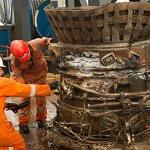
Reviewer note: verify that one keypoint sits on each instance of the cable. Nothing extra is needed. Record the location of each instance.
(4, 46)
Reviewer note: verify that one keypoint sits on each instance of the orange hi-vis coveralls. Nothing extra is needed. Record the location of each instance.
(9, 137)
(35, 72)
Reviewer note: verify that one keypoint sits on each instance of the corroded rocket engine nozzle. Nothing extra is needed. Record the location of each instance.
(113, 23)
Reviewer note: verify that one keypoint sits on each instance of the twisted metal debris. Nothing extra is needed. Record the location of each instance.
(105, 93)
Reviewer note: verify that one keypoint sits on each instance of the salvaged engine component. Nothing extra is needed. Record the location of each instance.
(116, 22)
(103, 98)
(105, 92)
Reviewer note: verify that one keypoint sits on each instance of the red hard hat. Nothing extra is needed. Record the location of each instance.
(20, 50)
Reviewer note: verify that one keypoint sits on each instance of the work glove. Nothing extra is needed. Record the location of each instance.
(53, 85)
(24, 104)
(15, 107)
(12, 106)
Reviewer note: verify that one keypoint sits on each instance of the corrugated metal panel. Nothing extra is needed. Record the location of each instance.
(99, 2)
(119, 1)
(145, 0)
(83, 2)
(61, 3)
(36, 4)
(103, 2)
(6, 11)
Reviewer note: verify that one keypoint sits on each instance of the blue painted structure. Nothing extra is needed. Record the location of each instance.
(6, 21)
(5, 37)
(42, 24)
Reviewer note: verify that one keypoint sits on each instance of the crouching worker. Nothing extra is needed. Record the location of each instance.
(9, 137)
(29, 66)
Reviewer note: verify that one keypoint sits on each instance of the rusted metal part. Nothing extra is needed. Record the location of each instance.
(105, 93)
(73, 110)
(120, 51)
(102, 110)
(109, 95)
(119, 22)
(138, 27)
(64, 141)
(106, 30)
(129, 27)
(116, 27)
(94, 99)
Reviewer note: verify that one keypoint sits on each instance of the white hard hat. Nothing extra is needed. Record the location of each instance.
(1, 63)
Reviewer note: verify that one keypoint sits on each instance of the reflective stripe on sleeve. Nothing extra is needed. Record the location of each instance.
(33, 90)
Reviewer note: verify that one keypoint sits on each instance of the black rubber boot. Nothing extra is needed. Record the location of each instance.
(41, 124)
(24, 128)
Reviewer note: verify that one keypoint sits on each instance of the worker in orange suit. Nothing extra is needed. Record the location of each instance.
(9, 137)
(29, 66)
